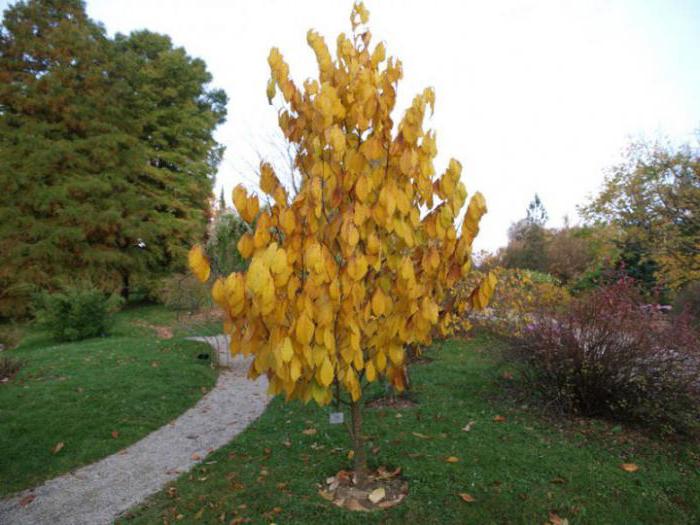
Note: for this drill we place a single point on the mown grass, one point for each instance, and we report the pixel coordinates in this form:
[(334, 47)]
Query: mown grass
[(79, 394), (519, 471)]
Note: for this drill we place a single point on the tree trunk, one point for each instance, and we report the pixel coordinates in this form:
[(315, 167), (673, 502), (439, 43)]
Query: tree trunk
[(360, 457), (125, 286)]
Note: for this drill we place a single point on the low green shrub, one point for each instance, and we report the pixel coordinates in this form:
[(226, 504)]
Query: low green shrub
[(77, 312), (10, 335), (222, 247), (183, 292)]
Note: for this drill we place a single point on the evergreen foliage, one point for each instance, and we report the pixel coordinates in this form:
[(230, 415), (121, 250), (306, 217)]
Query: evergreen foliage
[(76, 313), (107, 157)]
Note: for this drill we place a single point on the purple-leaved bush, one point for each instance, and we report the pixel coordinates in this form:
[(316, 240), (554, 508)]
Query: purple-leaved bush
[(607, 354)]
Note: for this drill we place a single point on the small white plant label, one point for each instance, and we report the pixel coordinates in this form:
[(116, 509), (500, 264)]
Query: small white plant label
[(336, 418)]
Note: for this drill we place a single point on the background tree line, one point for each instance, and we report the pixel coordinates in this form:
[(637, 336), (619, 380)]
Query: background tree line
[(107, 154), (644, 223)]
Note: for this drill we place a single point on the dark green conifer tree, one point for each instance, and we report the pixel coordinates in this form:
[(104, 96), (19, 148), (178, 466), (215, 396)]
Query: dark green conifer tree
[(107, 158)]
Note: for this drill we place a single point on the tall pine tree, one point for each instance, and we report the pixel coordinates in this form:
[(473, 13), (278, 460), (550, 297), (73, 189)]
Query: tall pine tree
[(107, 157)]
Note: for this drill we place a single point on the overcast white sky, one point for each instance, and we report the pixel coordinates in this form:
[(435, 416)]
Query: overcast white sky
[(532, 96)]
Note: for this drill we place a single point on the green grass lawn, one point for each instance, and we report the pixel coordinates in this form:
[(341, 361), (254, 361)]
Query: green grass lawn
[(518, 471), (79, 394)]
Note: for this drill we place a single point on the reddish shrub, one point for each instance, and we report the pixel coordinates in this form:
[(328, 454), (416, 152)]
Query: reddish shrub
[(609, 355), (9, 366)]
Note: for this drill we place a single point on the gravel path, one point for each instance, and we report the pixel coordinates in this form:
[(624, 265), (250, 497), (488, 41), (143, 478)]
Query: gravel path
[(98, 493)]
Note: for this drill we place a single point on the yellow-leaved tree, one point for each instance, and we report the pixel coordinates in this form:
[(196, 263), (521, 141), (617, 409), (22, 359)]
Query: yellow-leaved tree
[(354, 267)]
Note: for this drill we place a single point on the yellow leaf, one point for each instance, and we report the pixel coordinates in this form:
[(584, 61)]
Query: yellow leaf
[(378, 305), (362, 189), (336, 139), (218, 292), (286, 350), (240, 199), (199, 264), (258, 276), (270, 90), (246, 246), (278, 261), (629, 467), (251, 209), (370, 372), (452, 459), (380, 360), (287, 221), (294, 369), (326, 373), (408, 161), (377, 495), (268, 179), (357, 267), (313, 258), (396, 354), (304, 329)]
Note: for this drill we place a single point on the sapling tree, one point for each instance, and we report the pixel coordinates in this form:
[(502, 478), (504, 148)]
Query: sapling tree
[(355, 267)]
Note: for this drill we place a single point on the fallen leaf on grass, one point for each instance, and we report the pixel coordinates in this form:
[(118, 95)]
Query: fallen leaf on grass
[(467, 497), (343, 475), (507, 375), (391, 503), (452, 459), (57, 448), (332, 483), (629, 467), (558, 480), (309, 432), (26, 500), (500, 419), (354, 505), (115, 434), (383, 473), (271, 514), (419, 435), (555, 519), (351, 454), (468, 426), (377, 495)]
